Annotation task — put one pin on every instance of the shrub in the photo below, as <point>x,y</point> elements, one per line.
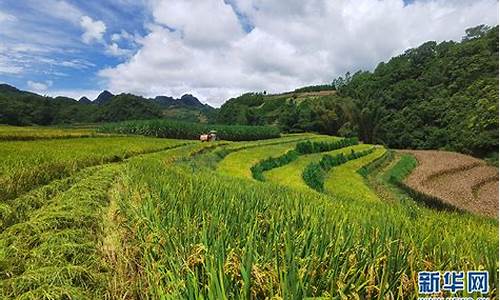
<point>273,162</point>
<point>315,173</point>
<point>316,147</point>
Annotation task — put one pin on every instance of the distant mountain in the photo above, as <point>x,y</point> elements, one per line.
<point>165,101</point>
<point>64,99</point>
<point>186,100</point>
<point>103,98</point>
<point>84,100</point>
<point>5,88</point>
<point>19,107</point>
<point>190,100</point>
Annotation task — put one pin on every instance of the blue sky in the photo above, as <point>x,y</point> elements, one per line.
<point>42,43</point>
<point>214,49</point>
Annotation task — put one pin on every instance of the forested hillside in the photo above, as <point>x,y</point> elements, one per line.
<point>434,96</point>
<point>24,108</point>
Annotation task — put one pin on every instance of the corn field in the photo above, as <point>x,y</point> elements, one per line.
<point>183,130</point>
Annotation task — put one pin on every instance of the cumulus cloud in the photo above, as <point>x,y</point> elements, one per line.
<point>122,36</point>
<point>202,47</point>
<point>115,50</point>
<point>93,30</point>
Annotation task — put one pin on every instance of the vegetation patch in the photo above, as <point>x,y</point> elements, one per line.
<point>184,130</point>
<point>17,133</point>
<point>305,147</point>
<point>218,237</point>
<point>314,174</point>
<point>52,252</point>
<point>291,174</point>
<point>308,147</point>
<point>28,164</point>
<point>241,157</point>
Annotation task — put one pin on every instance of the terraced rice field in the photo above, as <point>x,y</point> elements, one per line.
<point>459,180</point>
<point>291,174</point>
<point>16,133</point>
<point>239,163</point>
<point>27,164</point>
<point>142,218</point>
<point>345,181</point>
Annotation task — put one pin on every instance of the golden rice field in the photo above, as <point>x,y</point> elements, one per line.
<point>129,217</point>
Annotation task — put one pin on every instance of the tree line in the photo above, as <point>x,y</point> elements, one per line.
<point>436,96</point>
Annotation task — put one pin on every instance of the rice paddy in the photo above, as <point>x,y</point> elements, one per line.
<point>145,218</point>
<point>17,133</point>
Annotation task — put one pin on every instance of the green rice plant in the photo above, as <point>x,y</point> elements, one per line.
<point>315,173</point>
<point>291,174</point>
<point>238,158</point>
<point>402,168</point>
<point>27,164</point>
<point>345,180</point>
<point>166,225</point>
<point>271,163</point>
<point>17,133</point>
<point>53,252</point>
<point>375,164</point>
<point>301,148</point>
<point>184,130</point>
<point>205,235</point>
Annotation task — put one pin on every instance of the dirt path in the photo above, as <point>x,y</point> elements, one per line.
<point>463,181</point>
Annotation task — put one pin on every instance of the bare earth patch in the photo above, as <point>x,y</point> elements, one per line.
<point>460,180</point>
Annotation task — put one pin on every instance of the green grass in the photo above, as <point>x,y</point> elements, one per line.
<point>345,181</point>
<point>291,174</point>
<point>27,164</point>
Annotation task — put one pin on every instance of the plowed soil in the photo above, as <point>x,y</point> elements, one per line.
<point>460,180</point>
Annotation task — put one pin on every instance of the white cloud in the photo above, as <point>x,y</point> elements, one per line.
<point>201,23</point>
<point>39,87</point>
<point>200,47</point>
<point>75,64</point>
<point>122,36</point>
<point>93,30</point>
<point>6,68</point>
<point>58,9</point>
<point>4,17</point>
<point>115,50</point>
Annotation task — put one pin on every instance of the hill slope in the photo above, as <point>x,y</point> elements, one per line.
<point>24,108</point>
<point>434,96</point>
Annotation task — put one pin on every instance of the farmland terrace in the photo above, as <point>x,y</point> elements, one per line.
<point>287,217</point>
<point>462,181</point>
